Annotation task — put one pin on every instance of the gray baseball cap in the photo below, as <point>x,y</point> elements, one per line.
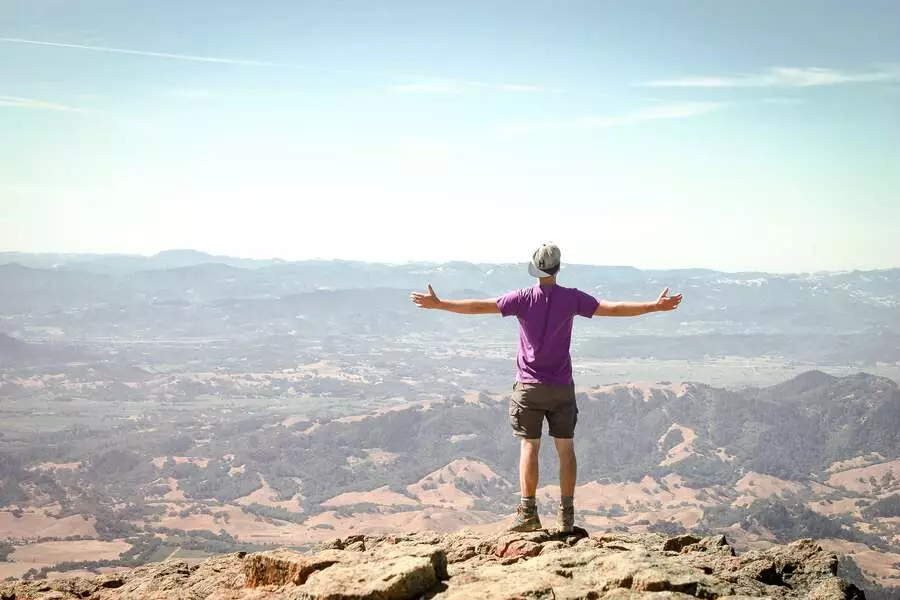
<point>545,261</point>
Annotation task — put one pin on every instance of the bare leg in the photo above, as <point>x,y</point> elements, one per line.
<point>568,466</point>
<point>528,466</point>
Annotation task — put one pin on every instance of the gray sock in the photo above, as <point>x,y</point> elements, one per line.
<point>567,501</point>
<point>529,502</point>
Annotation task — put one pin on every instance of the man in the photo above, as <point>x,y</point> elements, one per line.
<point>544,387</point>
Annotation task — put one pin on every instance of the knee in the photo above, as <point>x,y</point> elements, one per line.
<point>566,452</point>
<point>530,447</point>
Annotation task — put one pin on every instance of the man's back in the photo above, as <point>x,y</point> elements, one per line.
<point>545,315</point>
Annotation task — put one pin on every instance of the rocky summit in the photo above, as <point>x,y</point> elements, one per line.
<point>467,565</point>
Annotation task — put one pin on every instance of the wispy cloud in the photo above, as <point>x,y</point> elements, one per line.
<point>19,102</point>
<point>409,83</point>
<point>459,86</point>
<point>679,110</point>
<point>507,87</point>
<point>169,55</point>
<point>784,77</point>
<point>444,87</point>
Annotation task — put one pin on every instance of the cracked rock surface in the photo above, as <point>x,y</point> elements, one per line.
<point>464,565</point>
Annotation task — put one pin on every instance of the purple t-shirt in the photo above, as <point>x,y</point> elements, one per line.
<point>545,330</point>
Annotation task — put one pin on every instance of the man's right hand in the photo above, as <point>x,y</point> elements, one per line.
<point>666,302</point>
<point>429,300</point>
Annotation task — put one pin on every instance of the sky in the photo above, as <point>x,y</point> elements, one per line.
<point>725,134</point>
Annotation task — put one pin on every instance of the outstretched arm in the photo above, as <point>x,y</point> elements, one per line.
<point>464,307</point>
<point>635,309</point>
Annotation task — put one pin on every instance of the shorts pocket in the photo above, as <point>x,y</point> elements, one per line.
<point>515,414</point>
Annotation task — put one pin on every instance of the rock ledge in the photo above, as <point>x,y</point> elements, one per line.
<point>465,565</point>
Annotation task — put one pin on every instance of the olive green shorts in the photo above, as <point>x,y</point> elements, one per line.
<point>531,403</point>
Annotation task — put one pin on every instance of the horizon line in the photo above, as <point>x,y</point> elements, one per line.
<point>284,261</point>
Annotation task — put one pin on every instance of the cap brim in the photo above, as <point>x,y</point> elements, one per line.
<point>535,272</point>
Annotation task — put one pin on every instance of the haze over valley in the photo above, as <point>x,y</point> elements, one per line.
<point>186,404</point>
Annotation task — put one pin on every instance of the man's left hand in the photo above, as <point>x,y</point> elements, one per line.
<point>429,300</point>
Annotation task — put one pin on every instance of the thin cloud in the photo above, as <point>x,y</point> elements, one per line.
<point>429,88</point>
<point>507,87</point>
<point>784,77</point>
<point>168,55</point>
<point>413,84</point>
<point>680,110</point>
<point>19,102</point>
<point>459,86</point>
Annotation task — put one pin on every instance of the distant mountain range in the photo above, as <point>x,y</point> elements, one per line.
<point>125,263</point>
<point>856,303</point>
<point>174,259</point>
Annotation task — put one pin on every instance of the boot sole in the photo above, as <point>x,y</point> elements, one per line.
<point>526,528</point>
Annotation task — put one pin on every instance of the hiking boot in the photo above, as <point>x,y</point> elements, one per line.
<point>565,519</point>
<point>526,519</point>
